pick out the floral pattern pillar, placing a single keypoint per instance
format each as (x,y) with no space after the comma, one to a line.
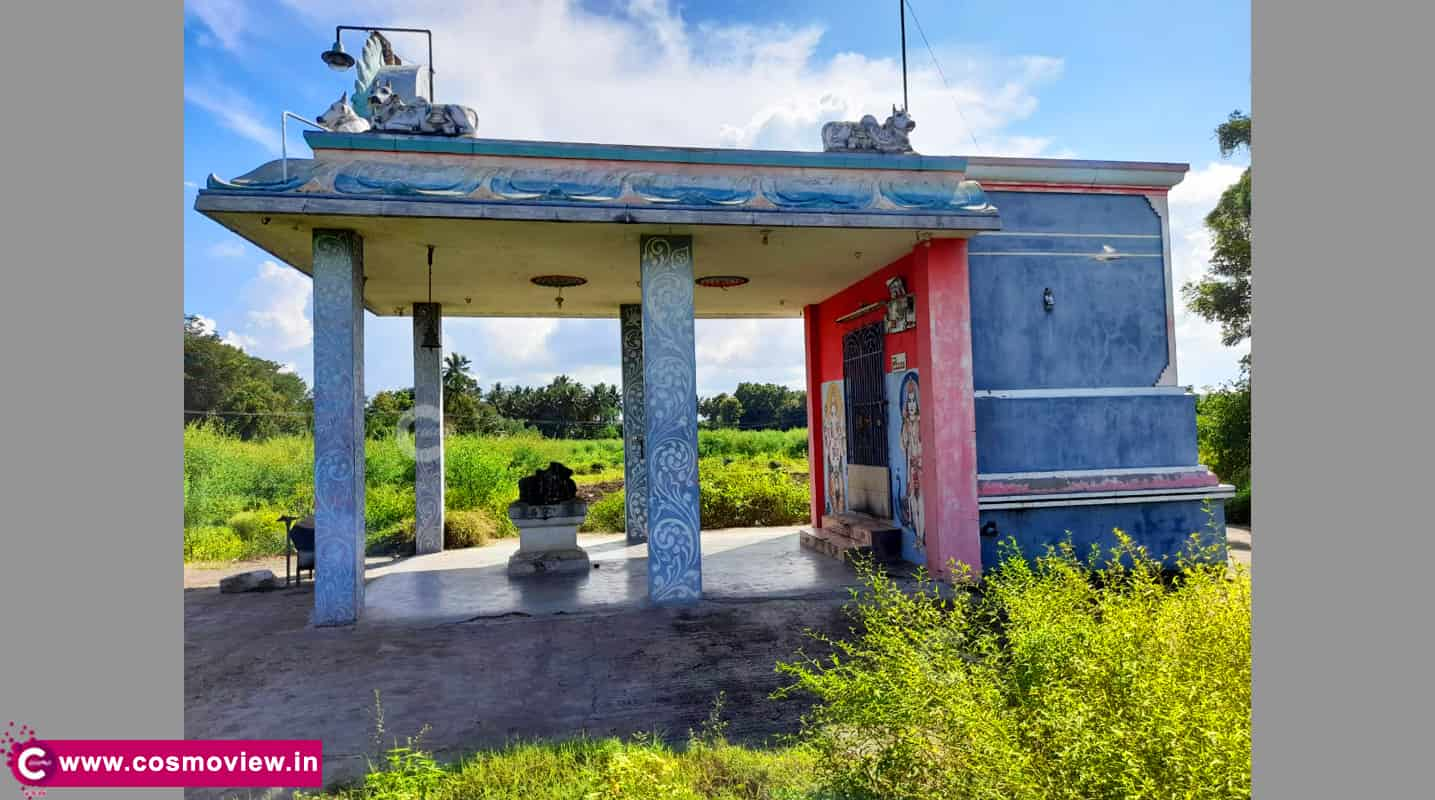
(428,431)
(338,427)
(671,420)
(635,466)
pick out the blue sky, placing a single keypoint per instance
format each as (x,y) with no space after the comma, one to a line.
(1101,80)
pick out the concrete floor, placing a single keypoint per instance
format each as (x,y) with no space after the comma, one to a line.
(740,565)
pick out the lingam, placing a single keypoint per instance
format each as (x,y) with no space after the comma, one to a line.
(547,514)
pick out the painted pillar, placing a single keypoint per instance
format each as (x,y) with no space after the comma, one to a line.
(948,405)
(670,418)
(428,431)
(635,465)
(812,350)
(338,427)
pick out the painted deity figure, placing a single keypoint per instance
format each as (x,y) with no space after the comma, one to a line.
(910,439)
(834,447)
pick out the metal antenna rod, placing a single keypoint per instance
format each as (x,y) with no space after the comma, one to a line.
(902,15)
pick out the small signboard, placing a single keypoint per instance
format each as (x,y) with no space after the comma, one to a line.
(899,362)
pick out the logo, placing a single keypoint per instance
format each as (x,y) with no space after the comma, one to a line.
(426,417)
(30,760)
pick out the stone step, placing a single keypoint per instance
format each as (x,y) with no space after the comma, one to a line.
(882,536)
(829,544)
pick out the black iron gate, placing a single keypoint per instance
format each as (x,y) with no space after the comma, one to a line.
(863,360)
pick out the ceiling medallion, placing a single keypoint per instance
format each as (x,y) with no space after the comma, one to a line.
(559,282)
(721,281)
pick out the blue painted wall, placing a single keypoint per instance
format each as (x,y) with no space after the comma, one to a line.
(913,548)
(1163,528)
(1058,433)
(1108,326)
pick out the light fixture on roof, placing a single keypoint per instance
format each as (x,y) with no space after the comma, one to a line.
(721,281)
(336,58)
(431,339)
(559,282)
(339,59)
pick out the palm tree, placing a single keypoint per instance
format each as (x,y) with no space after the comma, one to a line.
(455,372)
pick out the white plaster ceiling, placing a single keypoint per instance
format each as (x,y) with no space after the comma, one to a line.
(482,267)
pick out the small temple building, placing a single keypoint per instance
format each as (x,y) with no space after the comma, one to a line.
(990,342)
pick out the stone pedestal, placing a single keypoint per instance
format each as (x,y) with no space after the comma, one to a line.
(548,538)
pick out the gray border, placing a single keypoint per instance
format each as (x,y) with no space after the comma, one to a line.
(1342,698)
(90,581)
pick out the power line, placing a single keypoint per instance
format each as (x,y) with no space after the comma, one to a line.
(526,420)
(940,73)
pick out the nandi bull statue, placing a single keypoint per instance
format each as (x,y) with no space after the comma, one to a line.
(866,134)
(342,118)
(389,112)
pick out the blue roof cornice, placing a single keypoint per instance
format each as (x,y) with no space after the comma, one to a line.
(386,142)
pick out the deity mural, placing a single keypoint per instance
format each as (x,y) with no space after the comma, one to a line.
(907,466)
(834,447)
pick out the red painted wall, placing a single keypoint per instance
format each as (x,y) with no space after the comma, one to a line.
(936,273)
(949,421)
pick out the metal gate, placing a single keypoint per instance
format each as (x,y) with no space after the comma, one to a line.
(862,371)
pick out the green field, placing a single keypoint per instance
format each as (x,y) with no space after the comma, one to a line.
(235,490)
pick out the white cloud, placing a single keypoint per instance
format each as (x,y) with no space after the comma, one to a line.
(226,22)
(1201,358)
(650,77)
(227,248)
(205,324)
(235,112)
(278,320)
(730,352)
(553,69)
(237,339)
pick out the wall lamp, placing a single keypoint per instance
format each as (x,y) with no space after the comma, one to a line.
(339,60)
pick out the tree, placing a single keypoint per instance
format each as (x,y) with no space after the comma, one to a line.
(456,379)
(1223,294)
(250,397)
(385,409)
(756,405)
(564,409)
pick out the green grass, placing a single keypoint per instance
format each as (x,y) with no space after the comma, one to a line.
(594,769)
(234,490)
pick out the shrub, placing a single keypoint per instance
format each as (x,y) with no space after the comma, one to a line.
(643,768)
(1238,508)
(212,543)
(468,528)
(745,494)
(608,515)
(260,531)
(1062,678)
(385,505)
(397,539)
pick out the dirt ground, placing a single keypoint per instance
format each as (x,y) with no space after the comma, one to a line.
(254,669)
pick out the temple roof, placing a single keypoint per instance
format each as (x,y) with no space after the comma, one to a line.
(800,225)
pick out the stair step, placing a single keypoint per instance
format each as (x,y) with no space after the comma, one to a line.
(839,547)
(881,536)
(829,543)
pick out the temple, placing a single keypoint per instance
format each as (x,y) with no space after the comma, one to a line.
(989,341)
